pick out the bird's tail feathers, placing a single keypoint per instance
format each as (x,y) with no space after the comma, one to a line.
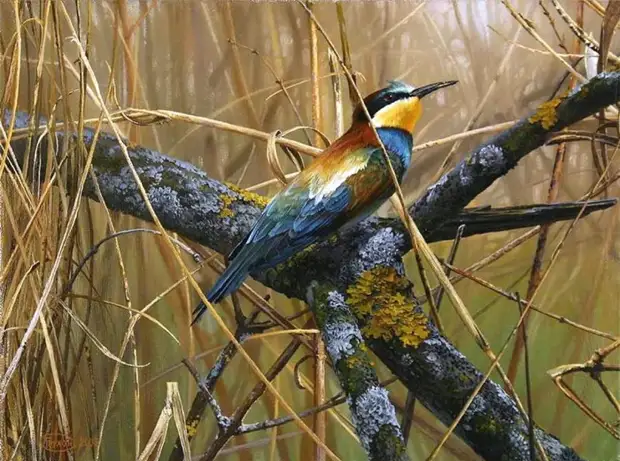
(229,281)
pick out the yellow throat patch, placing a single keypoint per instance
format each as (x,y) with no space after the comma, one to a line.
(403,114)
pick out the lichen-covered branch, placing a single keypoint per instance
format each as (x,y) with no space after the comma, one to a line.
(185,199)
(499,155)
(372,412)
(218,215)
(409,344)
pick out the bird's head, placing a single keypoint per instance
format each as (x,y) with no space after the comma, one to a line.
(397,106)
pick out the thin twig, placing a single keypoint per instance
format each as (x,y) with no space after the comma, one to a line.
(93,251)
(451,256)
(465,273)
(268,424)
(222,421)
(279,82)
(408,413)
(237,417)
(207,384)
(580,33)
(528,387)
(528,26)
(559,38)
(320,421)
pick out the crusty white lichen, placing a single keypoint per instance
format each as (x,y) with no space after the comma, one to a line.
(165,196)
(336,302)
(576,89)
(491,158)
(490,155)
(338,334)
(338,337)
(433,190)
(465,176)
(487,160)
(371,411)
(381,249)
(182,195)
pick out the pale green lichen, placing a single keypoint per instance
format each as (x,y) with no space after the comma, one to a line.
(465,379)
(377,298)
(297,260)
(488,425)
(333,239)
(355,361)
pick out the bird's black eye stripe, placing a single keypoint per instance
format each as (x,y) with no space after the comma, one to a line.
(389,98)
(376,102)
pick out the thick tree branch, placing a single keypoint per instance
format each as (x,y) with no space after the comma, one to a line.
(219,215)
(502,153)
(372,412)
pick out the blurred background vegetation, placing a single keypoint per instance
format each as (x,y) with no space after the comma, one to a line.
(226,60)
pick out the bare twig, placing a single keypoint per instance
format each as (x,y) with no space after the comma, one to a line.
(93,251)
(528,388)
(451,256)
(580,33)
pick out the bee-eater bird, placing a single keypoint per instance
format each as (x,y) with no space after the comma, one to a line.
(344,185)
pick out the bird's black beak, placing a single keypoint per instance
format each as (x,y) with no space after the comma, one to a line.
(427,89)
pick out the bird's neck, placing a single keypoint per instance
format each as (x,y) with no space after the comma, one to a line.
(398,143)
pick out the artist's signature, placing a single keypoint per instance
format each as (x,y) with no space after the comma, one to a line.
(60,443)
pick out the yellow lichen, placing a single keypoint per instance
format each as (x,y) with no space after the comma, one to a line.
(192,428)
(227,200)
(546,113)
(376,297)
(353,361)
(247,196)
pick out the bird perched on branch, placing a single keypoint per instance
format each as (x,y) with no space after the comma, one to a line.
(344,185)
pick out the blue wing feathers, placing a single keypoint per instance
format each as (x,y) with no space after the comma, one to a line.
(321,215)
(340,200)
(284,228)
